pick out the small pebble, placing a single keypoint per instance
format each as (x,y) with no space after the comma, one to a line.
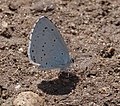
(4,24)
(6,33)
(111,50)
(28,99)
(42,7)
(72,25)
(104,90)
(21,50)
(74,32)
(13,6)
(17,87)
(107,52)
(118,56)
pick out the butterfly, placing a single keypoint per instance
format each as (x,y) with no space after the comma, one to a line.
(47,48)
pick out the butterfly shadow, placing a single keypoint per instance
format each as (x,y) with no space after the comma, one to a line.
(64,84)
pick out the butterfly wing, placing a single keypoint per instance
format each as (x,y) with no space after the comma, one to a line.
(46,46)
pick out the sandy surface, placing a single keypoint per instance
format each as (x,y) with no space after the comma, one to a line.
(91,30)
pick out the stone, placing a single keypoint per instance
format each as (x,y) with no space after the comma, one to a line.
(4,24)
(28,98)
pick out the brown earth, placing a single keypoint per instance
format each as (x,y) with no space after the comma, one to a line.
(91,30)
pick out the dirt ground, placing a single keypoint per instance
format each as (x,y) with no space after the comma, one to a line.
(91,30)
